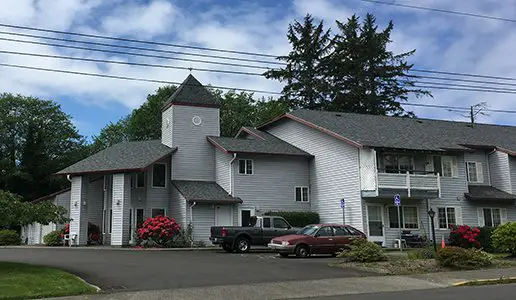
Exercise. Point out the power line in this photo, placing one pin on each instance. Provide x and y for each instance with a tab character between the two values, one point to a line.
461	80
126	63
461	85
458	107
136	41
134	54
461	13
130	78
140	48
464	89
463	74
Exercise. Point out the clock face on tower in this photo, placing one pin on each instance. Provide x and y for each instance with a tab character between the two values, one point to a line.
196	120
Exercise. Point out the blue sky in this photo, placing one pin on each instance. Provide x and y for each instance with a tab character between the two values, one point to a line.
442	42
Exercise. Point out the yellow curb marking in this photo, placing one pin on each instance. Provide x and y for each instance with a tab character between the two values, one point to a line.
483	280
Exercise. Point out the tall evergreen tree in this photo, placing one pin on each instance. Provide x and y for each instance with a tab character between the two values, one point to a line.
364	76
305	65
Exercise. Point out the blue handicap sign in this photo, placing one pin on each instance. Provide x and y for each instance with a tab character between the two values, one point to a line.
397	200
342	203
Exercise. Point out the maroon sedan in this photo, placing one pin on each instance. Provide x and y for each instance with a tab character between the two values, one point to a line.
316	239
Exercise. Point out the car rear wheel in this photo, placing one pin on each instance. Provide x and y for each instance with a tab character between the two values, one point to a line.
243	245
228	248
302	251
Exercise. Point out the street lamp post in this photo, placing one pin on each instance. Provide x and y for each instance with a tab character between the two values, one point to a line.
431	214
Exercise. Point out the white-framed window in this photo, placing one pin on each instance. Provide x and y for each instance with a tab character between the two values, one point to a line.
245	166
159	175
398	163
302	194
491	216
447	216
474	172
409	216
446	166
158	212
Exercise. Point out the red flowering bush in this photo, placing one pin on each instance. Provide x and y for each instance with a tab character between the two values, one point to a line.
464	236
65	230
159	231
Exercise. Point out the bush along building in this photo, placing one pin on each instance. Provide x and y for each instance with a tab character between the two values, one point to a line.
300	161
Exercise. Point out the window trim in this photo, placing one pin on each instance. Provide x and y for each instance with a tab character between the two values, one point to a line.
477	163
398	154
301	187
454	165
446	215
491	209
403	214
152	176
245	160
164	211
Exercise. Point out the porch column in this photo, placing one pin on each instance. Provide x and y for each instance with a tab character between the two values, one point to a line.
121	206
79	210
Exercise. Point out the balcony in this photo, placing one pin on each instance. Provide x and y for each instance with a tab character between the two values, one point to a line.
411	184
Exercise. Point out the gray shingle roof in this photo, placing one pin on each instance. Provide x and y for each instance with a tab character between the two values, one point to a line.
191	91
125	156
408	133
478	192
264	144
204	192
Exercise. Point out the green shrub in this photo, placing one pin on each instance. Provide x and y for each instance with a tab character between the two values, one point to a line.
504	238
9	237
53	238
423	253
461	258
362	250
297	218
485	239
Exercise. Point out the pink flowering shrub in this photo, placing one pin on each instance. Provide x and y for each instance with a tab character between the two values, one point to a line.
464	236
158	231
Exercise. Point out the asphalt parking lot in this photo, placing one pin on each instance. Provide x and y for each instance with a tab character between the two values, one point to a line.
123	270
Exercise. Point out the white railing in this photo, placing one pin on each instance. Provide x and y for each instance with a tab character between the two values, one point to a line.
409	181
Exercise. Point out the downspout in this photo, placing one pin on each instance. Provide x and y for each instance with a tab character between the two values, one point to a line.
191	221
231	174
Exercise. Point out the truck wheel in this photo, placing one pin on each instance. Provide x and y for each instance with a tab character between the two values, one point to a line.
243	245
228	248
302	251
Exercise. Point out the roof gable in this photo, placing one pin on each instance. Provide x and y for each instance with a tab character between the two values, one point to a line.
192	92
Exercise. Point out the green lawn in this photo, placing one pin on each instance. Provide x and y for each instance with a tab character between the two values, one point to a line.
22	281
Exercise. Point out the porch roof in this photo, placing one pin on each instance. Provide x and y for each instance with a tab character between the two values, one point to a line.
204	192
482	192
121	157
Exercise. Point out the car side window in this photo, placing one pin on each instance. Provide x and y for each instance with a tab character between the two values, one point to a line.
353	231
325	231
280	223
266	223
341	231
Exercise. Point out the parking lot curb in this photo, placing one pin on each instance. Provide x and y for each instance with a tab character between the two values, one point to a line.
501	279
110	248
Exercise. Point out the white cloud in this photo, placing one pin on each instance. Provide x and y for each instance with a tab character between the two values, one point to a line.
147	20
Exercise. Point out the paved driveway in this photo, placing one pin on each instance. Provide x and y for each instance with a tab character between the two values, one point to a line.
117	270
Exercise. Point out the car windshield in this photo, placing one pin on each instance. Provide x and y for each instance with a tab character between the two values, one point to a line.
308	230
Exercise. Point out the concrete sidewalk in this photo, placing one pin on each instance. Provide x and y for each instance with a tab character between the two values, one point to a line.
313	288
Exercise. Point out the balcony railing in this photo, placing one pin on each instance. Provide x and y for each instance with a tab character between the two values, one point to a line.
410	180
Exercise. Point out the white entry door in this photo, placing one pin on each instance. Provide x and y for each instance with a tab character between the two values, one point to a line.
223	215
375	232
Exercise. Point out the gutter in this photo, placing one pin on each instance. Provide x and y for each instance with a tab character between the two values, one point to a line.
231	174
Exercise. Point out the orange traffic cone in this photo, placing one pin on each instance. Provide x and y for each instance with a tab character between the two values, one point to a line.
443	244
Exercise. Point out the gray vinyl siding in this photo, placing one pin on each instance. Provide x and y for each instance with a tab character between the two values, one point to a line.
121	193
203	219
512	171
222	161
195	156
334	172
157	197
271	187
178	207
95	201
79	213
166	127
479	156
63	200
500	172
